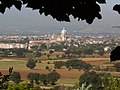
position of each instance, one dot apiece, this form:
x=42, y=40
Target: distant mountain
x=71, y=29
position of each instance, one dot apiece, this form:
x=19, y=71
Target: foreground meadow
x=67, y=77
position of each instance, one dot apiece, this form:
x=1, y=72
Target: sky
x=26, y=19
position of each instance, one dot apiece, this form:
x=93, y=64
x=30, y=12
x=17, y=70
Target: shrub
x=78, y=64
x=117, y=66
x=34, y=77
x=59, y=64
x=47, y=67
x=52, y=77
x=91, y=78
x=15, y=77
x=30, y=76
x=31, y=64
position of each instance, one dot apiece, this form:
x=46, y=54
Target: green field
x=18, y=64
x=68, y=81
x=21, y=65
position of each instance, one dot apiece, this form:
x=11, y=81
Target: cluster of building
x=7, y=42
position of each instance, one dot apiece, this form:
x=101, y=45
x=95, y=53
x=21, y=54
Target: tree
x=51, y=51
x=61, y=10
x=59, y=64
x=34, y=77
x=47, y=68
x=111, y=83
x=56, y=47
x=114, y=56
x=31, y=64
x=20, y=52
x=57, y=56
x=101, y=52
x=37, y=53
x=117, y=66
x=67, y=52
x=91, y=78
x=20, y=86
x=43, y=46
x=34, y=48
x=77, y=64
x=48, y=55
x=15, y=77
x=52, y=77
x=30, y=76
x=83, y=87
x=88, y=51
x=43, y=79
x=117, y=8
x=4, y=79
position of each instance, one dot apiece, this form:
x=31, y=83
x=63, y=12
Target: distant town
x=8, y=42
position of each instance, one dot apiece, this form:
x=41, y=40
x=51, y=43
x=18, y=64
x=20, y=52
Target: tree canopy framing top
x=61, y=9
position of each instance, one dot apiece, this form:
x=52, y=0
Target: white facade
x=63, y=34
x=12, y=45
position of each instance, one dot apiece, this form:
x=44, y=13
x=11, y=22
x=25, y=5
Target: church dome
x=63, y=31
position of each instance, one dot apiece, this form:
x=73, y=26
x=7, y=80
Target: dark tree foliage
x=91, y=78
x=52, y=77
x=78, y=64
x=47, y=68
x=49, y=78
x=43, y=79
x=20, y=52
x=37, y=54
x=60, y=10
x=48, y=55
x=115, y=54
x=30, y=77
x=4, y=79
x=15, y=77
x=117, y=8
x=117, y=66
x=31, y=64
x=88, y=51
x=67, y=52
x=43, y=46
x=36, y=77
x=59, y=64
x=51, y=51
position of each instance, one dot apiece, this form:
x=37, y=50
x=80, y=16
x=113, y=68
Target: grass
x=110, y=62
x=21, y=65
x=72, y=81
x=17, y=65
x=43, y=65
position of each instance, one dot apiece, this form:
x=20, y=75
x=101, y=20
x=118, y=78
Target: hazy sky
x=28, y=19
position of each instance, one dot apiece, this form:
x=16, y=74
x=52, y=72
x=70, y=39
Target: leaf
x=101, y=1
x=2, y=9
x=18, y=5
x=117, y=8
x=24, y=1
x=7, y=3
x=99, y=16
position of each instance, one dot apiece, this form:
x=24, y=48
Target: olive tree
x=31, y=63
x=91, y=78
x=15, y=77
